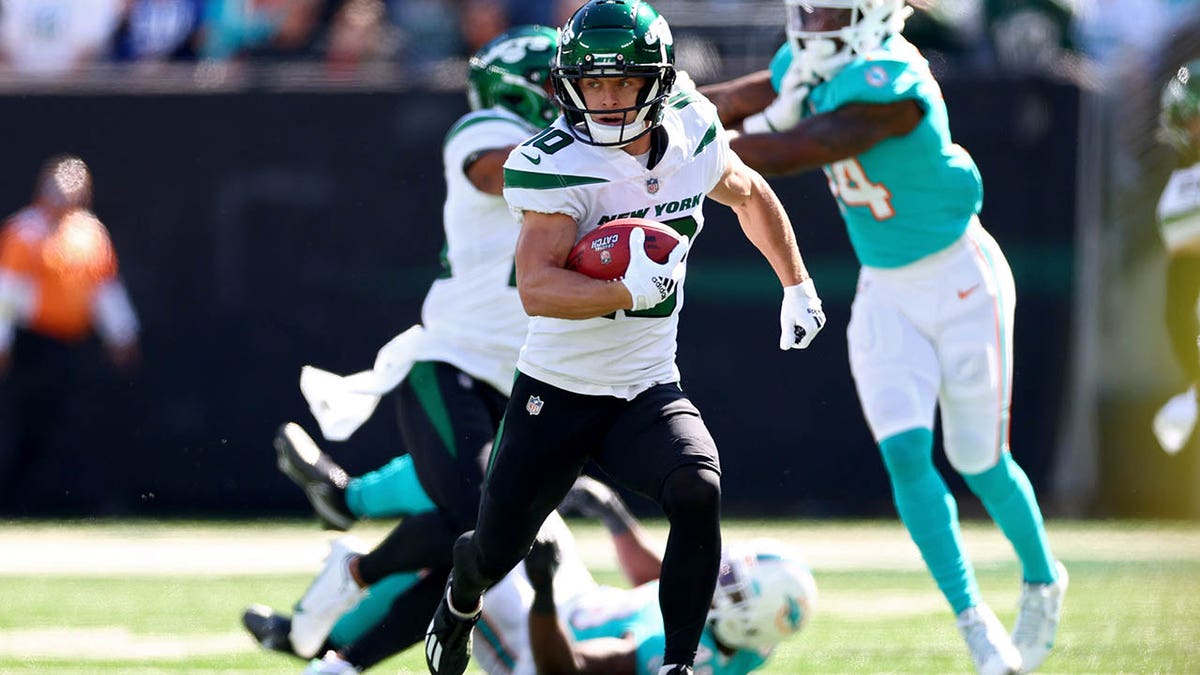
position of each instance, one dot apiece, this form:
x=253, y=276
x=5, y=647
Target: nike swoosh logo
x=532, y=160
x=962, y=295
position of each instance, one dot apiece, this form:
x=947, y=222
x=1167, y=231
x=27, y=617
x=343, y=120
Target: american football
x=604, y=252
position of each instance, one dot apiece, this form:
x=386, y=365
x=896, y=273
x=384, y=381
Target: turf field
x=139, y=598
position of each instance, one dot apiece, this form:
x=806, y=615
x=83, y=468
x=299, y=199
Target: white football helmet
x=831, y=33
x=764, y=594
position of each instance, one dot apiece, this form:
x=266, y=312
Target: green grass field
x=112, y=597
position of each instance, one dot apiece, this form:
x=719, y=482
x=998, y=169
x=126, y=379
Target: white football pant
x=938, y=332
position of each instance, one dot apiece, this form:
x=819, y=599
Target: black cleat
x=269, y=629
x=448, y=638
x=323, y=481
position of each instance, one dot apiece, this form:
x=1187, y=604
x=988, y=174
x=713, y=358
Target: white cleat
x=991, y=649
x=332, y=664
x=332, y=594
x=1037, y=619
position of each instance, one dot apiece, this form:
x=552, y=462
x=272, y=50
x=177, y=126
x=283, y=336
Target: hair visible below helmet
x=511, y=71
x=868, y=24
x=764, y=594
x=614, y=38
x=1180, y=108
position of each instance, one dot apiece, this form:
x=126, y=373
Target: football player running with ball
x=931, y=323
x=597, y=377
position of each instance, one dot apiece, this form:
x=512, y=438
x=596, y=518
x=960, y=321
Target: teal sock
x=1008, y=497
x=930, y=513
x=389, y=492
x=371, y=609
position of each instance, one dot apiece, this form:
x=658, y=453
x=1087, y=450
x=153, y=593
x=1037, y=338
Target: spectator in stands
x=53, y=37
x=482, y=20
x=58, y=283
x=159, y=30
x=266, y=28
x=358, y=33
x=1029, y=36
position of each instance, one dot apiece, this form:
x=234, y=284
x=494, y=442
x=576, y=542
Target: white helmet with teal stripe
x=831, y=33
x=764, y=594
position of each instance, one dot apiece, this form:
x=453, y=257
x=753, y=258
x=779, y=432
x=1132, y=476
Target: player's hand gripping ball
x=603, y=253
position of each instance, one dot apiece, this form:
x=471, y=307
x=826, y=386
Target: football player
x=597, y=378
x=451, y=401
x=931, y=323
x=764, y=595
x=1179, y=225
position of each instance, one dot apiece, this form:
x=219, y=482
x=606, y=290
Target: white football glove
x=800, y=317
x=647, y=281
x=785, y=111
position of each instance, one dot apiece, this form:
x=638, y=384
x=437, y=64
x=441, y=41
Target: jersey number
x=550, y=141
x=850, y=183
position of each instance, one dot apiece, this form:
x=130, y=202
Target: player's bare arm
x=740, y=97
x=485, y=169
x=828, y=137
x=762, y=219
x=554, y=653
x=546, y=287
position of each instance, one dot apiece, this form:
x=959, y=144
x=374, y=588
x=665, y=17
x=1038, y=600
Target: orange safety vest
x=66, y=265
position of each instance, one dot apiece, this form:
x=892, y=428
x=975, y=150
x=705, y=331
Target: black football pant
x=656, y=445
x=1183, y=293
x=447, y=422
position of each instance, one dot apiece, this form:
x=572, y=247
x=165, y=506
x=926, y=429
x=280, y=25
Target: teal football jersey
x=636, y=612
x=908, y=196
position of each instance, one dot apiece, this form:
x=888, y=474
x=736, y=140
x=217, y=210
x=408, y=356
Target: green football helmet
x=614, y=38
x=511, y=72
x=1180, y=108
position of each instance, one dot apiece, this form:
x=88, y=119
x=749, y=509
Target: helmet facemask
x=763, y=595
x=614, y=39
x=832, y=33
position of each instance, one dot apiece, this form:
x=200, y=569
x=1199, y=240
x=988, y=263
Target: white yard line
x=160, y=549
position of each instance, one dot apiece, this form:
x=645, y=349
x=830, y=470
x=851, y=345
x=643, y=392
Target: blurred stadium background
x=273, y=188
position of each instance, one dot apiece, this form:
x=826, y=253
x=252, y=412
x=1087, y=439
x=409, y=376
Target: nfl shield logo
x=652, y=185
x=534, y=405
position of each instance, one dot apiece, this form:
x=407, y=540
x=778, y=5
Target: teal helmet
x=1180, y=108
x=614, y=38
x=511, y=72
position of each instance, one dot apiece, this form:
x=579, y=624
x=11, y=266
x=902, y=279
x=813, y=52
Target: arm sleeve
x=116, y=321
x=17, y=290
x=879, y=81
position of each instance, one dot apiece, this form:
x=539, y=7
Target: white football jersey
x=502, y=634
x=628, y=352
x=1179, y=210
x=472, y=314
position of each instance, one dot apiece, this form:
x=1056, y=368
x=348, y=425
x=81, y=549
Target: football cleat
x=270, y=630
x=1037, y=619
x=331, y=664
x=991, y=649
x=323, y=481
x=448, y=638
x=332, y=593
x=675, y=669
